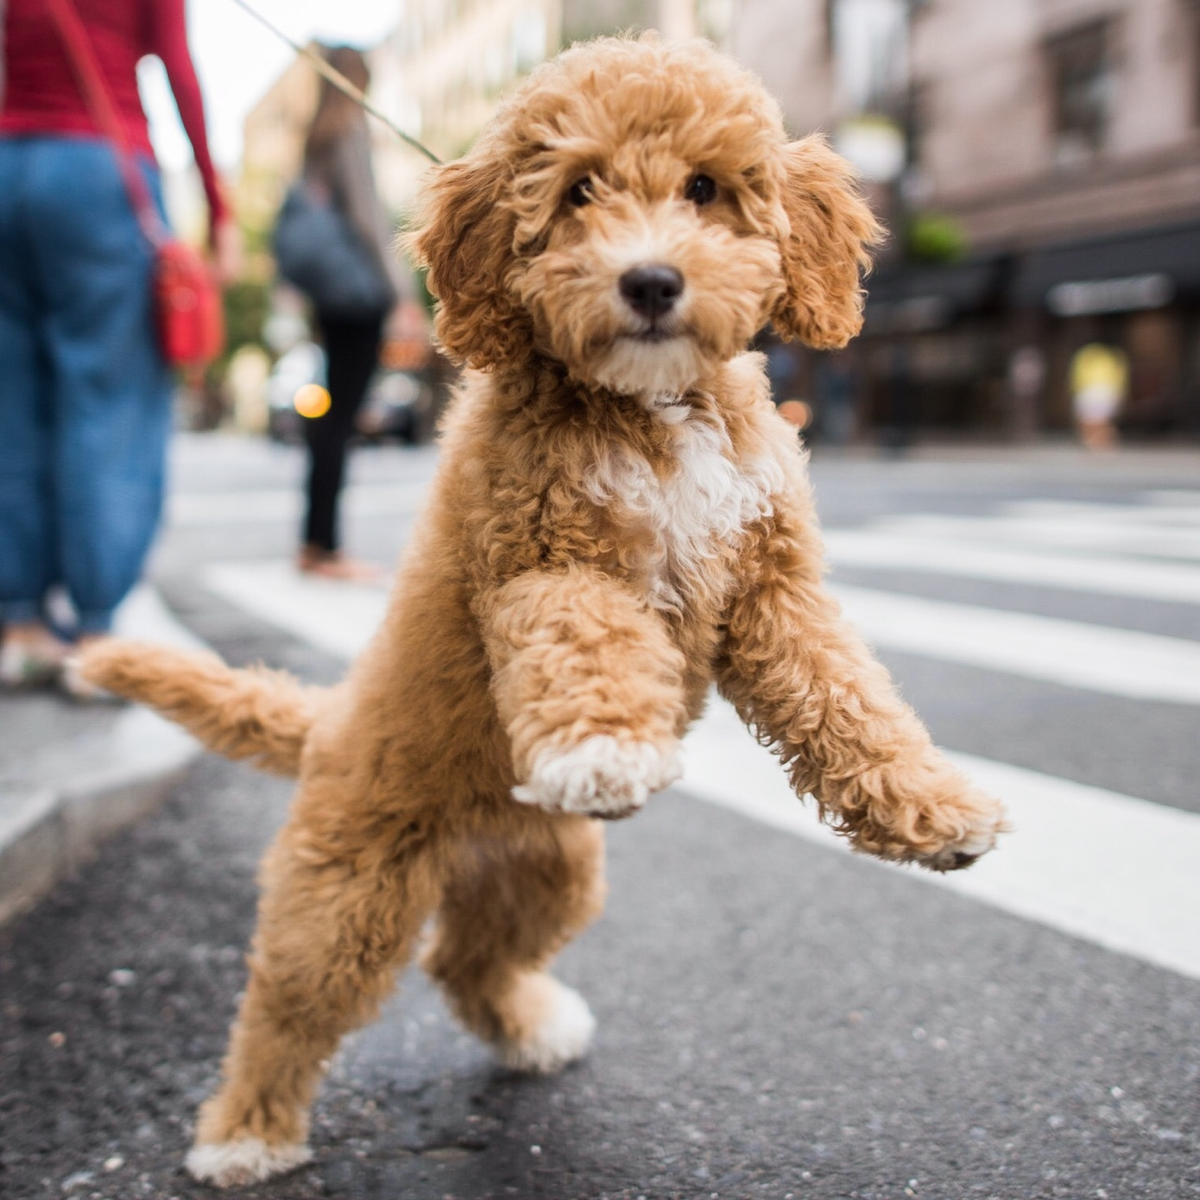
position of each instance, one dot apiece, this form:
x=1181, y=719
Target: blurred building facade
x=1039, y=164
x=454, y=58
x=272, y=156
x=439, y=76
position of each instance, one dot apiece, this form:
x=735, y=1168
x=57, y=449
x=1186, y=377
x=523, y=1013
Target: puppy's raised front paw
x=974, y=833
x=600, y=777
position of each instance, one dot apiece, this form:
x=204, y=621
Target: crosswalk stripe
x=333, y=615
x=339, y=618
x=1118, y=662
x=192, y=509
x=1109, y=574
x=1173, y=498
x=1072, y=534
x=1118, y=871
x=1114, y=515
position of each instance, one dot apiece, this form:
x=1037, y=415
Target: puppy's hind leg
x=339, y=914
x=510, y=904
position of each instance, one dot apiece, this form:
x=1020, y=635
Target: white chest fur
x=707, y=499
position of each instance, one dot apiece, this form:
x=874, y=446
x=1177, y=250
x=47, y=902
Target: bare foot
x=333, y=564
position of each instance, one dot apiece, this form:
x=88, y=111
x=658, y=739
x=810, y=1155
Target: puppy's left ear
x=465, y=238
x=827, y=247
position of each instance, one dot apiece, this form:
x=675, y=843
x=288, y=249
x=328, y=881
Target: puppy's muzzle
x=651, y=290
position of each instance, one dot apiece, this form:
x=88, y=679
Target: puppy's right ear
x=465, y=238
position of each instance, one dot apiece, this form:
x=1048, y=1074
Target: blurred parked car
x=400, y=403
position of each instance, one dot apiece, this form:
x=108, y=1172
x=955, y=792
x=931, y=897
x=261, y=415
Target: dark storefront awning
x=916, y=299
x=1122, y=273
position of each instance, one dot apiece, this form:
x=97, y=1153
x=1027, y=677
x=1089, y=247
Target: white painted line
x=1121, y=872
x=1118, y=662
x=1172, y=497
x=334, y=616
x=1115, y=870
x=1173, y=582
x=340, y=618
x=269, y=505
x=1117, y=515
x=1081, y=534
x=144, y=615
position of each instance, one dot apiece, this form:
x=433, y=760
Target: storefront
x=932, y=353
x=1138, y=291
x=983, y=348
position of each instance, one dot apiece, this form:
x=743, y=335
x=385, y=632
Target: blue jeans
x=85, y=395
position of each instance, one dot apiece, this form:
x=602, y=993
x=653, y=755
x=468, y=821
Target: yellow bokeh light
x=312, y=400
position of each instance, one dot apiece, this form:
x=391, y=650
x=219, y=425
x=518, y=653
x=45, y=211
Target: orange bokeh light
x=796, y=412
x=312, y=400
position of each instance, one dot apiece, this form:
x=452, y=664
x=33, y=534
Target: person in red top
x=87, y=395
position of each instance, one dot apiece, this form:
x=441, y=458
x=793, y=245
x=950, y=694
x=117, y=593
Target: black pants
x=352, y=351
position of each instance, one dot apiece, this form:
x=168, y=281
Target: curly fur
x=619, y=518
x=255, y=714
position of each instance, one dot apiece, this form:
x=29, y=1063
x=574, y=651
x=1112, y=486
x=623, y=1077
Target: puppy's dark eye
x=580, y=192
x=701, y=190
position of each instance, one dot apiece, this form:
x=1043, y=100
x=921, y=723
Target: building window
x=1082, y=78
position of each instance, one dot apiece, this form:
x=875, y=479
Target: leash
x=339, y=81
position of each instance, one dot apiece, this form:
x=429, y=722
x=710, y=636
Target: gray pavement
x=72, y=774
x=775, y=1019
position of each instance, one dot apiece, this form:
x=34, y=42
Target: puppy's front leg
x=589, y=687
x=806, y=681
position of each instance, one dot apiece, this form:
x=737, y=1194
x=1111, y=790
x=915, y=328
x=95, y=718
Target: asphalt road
x=776, y=1019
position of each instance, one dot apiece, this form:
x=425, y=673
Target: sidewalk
x=71, y=774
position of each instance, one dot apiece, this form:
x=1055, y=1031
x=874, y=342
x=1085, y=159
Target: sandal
x=30, y=663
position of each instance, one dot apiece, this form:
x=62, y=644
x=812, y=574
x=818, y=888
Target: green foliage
x=423, y=294
x=246, y=307
x=933, y=238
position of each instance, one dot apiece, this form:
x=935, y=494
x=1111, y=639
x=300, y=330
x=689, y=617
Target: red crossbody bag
x=187, y=299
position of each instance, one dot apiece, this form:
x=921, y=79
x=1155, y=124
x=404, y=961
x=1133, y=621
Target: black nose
x=652, y=290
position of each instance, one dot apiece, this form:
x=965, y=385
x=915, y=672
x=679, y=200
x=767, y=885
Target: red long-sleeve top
x=41, y=95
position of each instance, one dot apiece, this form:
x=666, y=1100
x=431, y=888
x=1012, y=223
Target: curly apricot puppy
x=619, y=519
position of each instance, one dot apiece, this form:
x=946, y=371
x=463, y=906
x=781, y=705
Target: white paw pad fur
x=978, y=839
x=564, y=1035
x=243, y=1161
x=601, y=777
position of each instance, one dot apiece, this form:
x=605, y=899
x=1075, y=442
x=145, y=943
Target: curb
x=82, y=790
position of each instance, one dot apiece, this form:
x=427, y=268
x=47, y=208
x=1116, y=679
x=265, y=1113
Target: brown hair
x=336, y=113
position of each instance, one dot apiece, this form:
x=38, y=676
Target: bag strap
x=103, y=110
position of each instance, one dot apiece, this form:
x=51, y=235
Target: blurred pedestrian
x=835, y=387
x=1026, y=377
x=338, y=170
x=897, y=428
x=1099, y=381
x=87, y=393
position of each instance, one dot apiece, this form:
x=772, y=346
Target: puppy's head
x=636, y=212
